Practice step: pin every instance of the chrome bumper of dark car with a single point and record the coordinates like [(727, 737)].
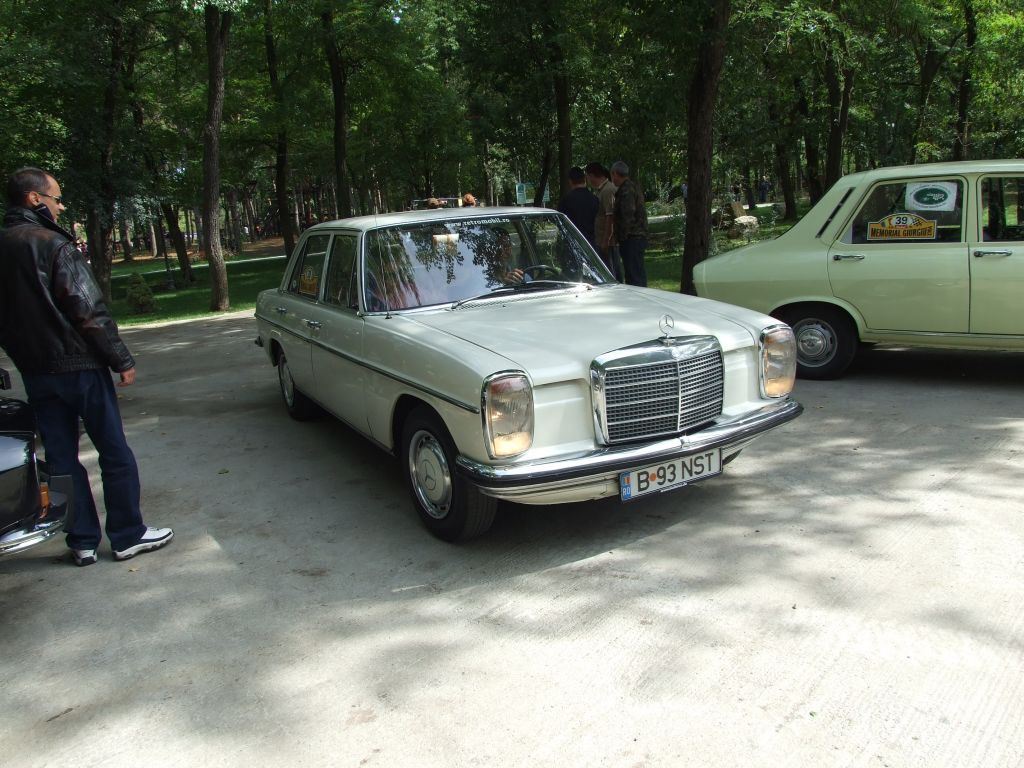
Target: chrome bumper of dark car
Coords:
[(43, 525), (23, 538), (518, 481)]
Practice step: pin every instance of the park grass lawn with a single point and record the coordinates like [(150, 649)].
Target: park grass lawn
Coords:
[(245, 280)]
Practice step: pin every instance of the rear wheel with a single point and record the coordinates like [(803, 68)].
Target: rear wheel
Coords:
[(450, 507), (300, 407), (826, 340)]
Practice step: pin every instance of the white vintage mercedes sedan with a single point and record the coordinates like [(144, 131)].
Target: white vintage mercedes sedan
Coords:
[(493, 353)]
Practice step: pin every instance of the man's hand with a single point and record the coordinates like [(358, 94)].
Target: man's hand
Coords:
[(127, 378)]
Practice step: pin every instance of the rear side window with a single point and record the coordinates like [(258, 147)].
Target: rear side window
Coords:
[(1002, 208), (341, 272), (910, 212), (309, 267)]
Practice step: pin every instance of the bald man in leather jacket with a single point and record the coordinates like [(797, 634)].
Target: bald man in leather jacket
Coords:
[(55, 326)]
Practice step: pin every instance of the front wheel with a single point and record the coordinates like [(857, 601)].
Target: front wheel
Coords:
[(450, 507), (826, 341)]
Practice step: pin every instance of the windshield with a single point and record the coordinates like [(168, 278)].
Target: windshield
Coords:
[(444, 262)]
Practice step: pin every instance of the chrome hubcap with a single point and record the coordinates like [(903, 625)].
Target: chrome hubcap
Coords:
[(287, 385), (430, 475), (816, 342)]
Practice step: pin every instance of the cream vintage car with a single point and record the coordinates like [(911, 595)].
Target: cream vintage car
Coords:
[(493, 353), (927, 255)]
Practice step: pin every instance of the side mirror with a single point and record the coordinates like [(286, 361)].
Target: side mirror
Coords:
[(5, 379)]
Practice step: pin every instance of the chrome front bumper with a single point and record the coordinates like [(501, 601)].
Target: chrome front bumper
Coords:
[(595, 474)]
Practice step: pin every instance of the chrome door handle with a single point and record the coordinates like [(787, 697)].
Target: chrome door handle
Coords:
[(847, 257), (314, 324), (978, 254), (281, 310)]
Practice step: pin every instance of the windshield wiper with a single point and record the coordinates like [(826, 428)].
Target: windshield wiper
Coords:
[(533, 285)]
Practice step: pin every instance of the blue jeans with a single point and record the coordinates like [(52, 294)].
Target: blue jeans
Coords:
[(58, 400), (632, 250)]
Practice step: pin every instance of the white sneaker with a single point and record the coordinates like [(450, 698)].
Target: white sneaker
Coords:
[(153, 538), (84, 556)]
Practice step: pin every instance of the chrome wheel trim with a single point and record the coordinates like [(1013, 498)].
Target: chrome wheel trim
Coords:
[(430, 475), (284, 375), (816, 342)]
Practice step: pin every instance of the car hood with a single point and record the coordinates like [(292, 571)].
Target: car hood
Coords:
[(554, 337)]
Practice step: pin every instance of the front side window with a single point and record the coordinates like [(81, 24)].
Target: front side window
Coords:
[(1002, 208), (443, 262), (909, 212)]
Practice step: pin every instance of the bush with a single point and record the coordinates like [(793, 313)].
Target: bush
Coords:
[(661, 207), (139, 296)]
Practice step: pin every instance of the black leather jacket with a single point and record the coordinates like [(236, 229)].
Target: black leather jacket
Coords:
[(52, 315)]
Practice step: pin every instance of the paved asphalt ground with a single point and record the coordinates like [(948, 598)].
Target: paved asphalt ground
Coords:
[(848, 593)]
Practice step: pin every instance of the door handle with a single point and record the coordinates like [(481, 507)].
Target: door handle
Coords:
[(314, 324), (847, 257), (979, 254), (281, 310)]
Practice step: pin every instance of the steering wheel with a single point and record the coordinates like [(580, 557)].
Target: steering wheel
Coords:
[(541, 268)]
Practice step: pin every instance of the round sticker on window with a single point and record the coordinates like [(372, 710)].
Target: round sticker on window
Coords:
[(932, 196)]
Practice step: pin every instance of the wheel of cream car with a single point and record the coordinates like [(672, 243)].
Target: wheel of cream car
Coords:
[(450, 508), (826, 340), (299, 407)]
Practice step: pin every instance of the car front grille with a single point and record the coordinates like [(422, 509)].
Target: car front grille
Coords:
[(658, 390)]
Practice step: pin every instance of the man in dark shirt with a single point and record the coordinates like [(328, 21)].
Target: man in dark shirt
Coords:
[(580, 204), (630, 224)]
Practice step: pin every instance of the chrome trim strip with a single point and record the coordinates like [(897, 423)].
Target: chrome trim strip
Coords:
[(940, 335), (376, 369), (568, 471)]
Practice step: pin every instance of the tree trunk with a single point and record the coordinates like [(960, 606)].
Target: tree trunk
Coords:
[(126, 243), (218, 25), (785, 181), (545, 175), (840, 88), (100, 249), (339, 89), (961, 143), (930, 64), (235, 221), (281, 174), (700, 145), (249, 209), (178, 240), (562, 105), (812, 156), (748, 189), (197, 228)]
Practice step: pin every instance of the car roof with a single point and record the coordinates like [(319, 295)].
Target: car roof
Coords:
[(938, 169), (376, 221)]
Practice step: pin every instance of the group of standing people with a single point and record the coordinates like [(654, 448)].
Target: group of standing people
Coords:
[(611, 215)]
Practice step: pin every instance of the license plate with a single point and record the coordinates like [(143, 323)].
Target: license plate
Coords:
[(671, 474)]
